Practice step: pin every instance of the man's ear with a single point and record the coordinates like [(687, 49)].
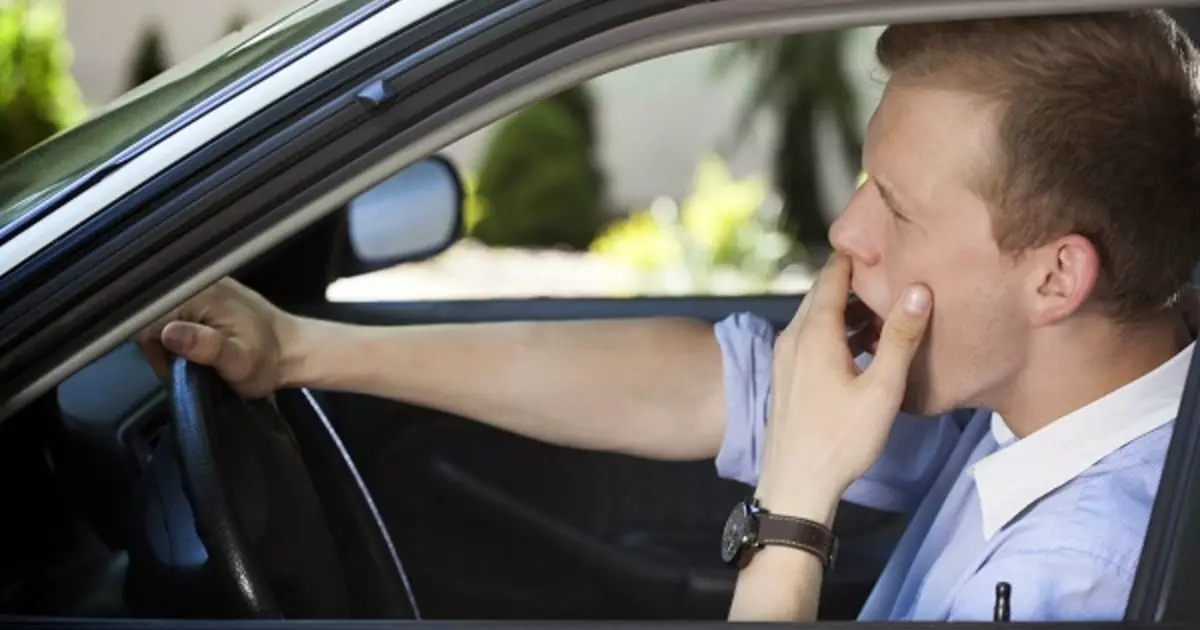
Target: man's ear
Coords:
[(1063, 274)]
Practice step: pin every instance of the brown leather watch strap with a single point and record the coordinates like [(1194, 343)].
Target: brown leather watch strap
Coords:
[(798, 533)]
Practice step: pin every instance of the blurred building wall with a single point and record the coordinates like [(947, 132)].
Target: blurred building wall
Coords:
[(105, 34), (656, 118)]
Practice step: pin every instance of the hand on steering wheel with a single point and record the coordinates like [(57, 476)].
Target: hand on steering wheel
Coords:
[(247, 515)]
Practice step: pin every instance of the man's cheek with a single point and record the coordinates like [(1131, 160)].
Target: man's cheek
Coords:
[(874, 290)]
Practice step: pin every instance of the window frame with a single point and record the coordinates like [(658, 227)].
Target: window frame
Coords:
[(46, 199)]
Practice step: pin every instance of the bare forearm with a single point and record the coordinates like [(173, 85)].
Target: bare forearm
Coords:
[(648, 387), (783, 583)]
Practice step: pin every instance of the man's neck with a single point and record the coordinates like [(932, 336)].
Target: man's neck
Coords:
[(1073, 370)]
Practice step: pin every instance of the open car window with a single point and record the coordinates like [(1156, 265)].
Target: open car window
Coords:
[(53, 165)]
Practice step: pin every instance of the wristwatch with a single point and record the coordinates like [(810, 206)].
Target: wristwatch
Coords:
[(750, 527)]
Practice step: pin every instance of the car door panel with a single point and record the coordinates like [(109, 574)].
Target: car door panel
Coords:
[(495, 525)]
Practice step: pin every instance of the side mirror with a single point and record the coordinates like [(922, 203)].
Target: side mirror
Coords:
[(414, 214)]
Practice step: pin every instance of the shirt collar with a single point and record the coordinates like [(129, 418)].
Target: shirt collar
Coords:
[(1023, 471)]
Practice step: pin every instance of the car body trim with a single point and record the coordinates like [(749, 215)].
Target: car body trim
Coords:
[(191, 137), (322, 102), (1163, 587), (152, 137), (50, 309)]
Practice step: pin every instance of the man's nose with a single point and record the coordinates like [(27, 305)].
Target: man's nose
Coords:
[(851, 233)]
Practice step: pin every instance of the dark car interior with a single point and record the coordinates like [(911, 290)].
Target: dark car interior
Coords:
[(485, 524)]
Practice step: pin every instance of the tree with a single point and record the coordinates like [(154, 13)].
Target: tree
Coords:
[(150, 59), (796, 78), (38, 94)]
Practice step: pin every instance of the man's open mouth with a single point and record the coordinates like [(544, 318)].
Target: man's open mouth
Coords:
[(873, 330), (863, 327)]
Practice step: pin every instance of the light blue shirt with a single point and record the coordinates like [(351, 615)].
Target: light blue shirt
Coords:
[(1060, 515)]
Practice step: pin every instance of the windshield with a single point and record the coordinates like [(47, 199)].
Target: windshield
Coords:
[(55, 163)]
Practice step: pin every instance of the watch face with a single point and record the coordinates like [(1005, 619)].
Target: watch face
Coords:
[(737, 534)]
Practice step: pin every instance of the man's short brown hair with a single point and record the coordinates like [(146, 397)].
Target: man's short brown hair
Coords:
[(1098, 136)]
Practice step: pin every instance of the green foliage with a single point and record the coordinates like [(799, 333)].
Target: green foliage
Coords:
[(150, 60), (473, 210), (539, 184), (724, 238), (38, 95)]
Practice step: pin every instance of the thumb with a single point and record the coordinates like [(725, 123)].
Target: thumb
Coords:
[(190, 341), (902, 333), (206, 346)]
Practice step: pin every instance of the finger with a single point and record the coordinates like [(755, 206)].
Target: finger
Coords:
[(793, 326), (807, 301), (207, 346), (831, 292), (196, 343), (789, 331), (902, 333), (150, 339), (149, 342)]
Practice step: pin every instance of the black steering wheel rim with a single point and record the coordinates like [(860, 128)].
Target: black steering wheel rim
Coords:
[(195, 391), (288, 525)]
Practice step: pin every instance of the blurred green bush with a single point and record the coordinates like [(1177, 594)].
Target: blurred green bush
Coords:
[(726, 237), (472, 206), (38, 95), (539, 184)]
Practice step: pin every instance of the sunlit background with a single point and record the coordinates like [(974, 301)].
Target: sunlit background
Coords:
[(712, 171)]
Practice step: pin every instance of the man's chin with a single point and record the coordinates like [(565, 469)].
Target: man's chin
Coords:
[(918, 399), (926, 408), (918, 402), (911, 407)]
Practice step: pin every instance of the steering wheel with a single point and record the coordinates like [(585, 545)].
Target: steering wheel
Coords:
[(286, 525)]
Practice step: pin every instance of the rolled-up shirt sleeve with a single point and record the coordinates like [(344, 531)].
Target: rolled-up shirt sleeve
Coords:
[(915, 452)]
